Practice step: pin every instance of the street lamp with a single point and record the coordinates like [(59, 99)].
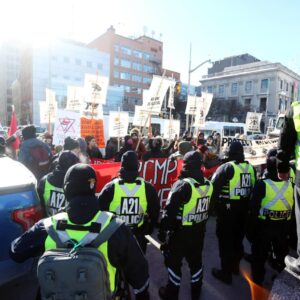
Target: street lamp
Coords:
[(189, 81)]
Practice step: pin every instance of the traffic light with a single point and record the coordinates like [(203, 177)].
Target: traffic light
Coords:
[(177, 87)]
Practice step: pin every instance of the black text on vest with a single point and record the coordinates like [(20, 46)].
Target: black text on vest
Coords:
[(129, 211)]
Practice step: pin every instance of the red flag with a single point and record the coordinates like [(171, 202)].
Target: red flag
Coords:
[(12, 129)]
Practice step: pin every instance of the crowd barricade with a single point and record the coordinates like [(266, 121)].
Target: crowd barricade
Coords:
[(160, 172)]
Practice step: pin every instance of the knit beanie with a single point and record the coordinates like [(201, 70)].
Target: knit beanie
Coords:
[(70, 143), (29, 132), (235, 148), (67, 159), (80, 180), (192, 161), (129, 161), (184, 147)]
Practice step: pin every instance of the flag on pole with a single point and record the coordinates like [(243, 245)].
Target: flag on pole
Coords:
[(13, 128)]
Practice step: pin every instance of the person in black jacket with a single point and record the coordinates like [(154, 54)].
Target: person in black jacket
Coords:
[(50, 188), (270, 214), (128, 145), (92, 150), (233, 183), (155, 151), (123, 251), (140, 198), (182, 228)]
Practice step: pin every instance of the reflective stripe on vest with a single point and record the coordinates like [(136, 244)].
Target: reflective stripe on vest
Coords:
[(278, 201), (129, 202), (196, 209), (54, 198), (296, 119), (82, 237), (241, 183)]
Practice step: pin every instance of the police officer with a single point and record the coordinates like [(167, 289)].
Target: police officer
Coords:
[(233, 183), (182, 227), (123, 252), (133, 199), (270, 214), (50, 188)]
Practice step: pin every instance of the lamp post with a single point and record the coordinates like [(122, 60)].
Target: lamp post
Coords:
[(189, 81)]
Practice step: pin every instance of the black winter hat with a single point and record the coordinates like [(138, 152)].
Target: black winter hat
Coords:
[(80, 180), (192, 161), (129, 161), (271, 165), (29, 132), (67, 159), (272, 152), (236, 148), (70, 143)]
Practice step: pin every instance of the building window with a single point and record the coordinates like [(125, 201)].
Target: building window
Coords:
[(221, 89), (209, 89), (263, 104), (135, 89), (148, 69), (281, 84), (125, 87), (125, 63), (286, 87), (125, 50), (248, 87), (116, 48), (89, 64), (66, 59), (234, 87), (248, 102), (125, 76), (100, 66), (137, 78), (66, 77), (147, 56), (116, 74), (116, 61), (77, 79), (147, 80), (53, 58), (137, 53), (137, 66), (78, 62), (264, 84)]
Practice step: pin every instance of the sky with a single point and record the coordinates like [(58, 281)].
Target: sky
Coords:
[(266, 29)]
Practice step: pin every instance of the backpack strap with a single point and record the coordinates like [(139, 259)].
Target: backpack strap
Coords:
[(107, 232), (55, 237)]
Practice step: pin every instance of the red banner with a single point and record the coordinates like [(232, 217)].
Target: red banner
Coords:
[(161, 173)]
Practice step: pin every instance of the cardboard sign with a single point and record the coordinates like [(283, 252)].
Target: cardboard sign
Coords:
[(67, 123), (93, 127), (171, 128), (202, 109), (118, 123), (48, 108), (140, 116), (95, 89), (75, 98), (154, 99), (191, 105), (253, 120)]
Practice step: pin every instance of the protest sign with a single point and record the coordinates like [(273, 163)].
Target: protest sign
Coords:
[(95, 88), (140, 116), (171, 128), (202, 109), (95, 128), (75, 98), (253, 120), (171, 98), (118, 123), (191, 105), (67, 123), (152, 102), (48, 108)]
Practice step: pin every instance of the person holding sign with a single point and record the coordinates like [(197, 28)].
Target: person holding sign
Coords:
[(182, 227), (233, 183), (133, 199)]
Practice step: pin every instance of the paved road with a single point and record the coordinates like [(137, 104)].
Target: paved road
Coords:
[(212, 288)]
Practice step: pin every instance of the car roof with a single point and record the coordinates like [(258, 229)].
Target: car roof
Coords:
[(14, 174)]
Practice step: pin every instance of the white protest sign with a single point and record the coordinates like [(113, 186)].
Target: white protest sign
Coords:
[(95, 89), (67, 123), (75, 98), (171, 98), (48, 108), (118, 123), (191, 105), (140, 116), (202, 109), (253, 120), (171, 128), (157, 91)]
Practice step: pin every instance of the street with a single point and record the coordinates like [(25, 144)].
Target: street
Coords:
[(213, 289)]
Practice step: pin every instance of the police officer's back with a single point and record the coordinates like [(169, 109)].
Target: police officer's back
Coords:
[(233, 183), (270, 215), (50, 188), (123, 252), (132, 198), (182, 227)]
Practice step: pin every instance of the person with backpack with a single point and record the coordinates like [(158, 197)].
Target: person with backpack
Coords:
[(50, 188), (83, 248), (182, 228), (34, 154), (132, 198)]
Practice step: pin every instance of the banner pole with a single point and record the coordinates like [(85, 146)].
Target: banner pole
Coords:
[(119, 130)]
